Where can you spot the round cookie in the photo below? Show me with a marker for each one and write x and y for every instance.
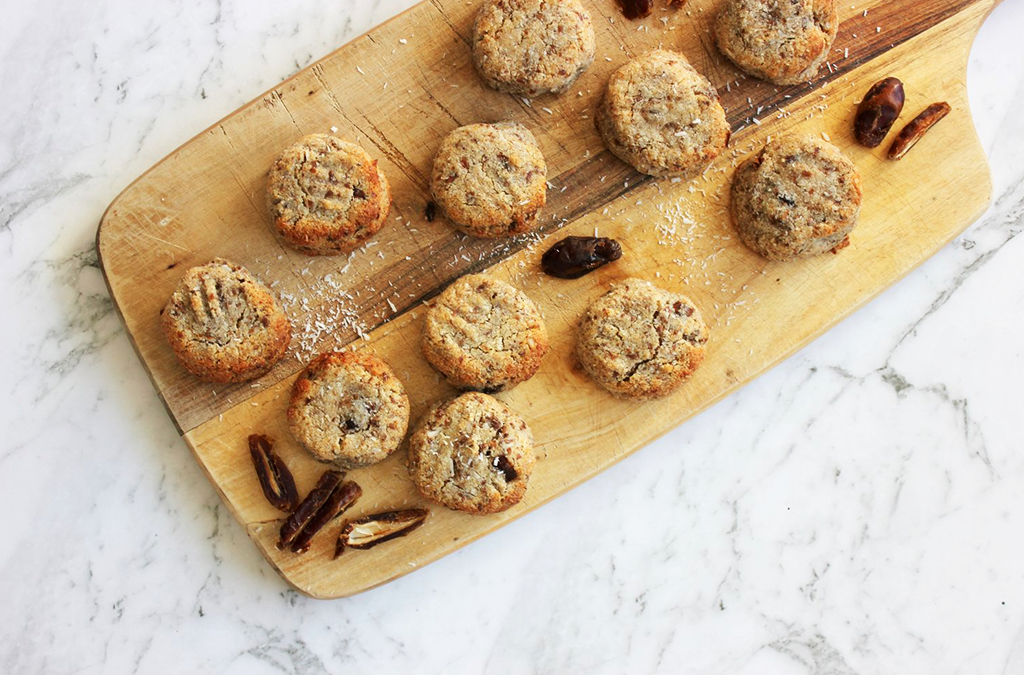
(484, 334)
(348, 408)
(224, 325)
(472, 454)
(532, 47)
(640, 341)
(798, 197)
(663, 117)
(490, 180)
(327, 196)
(782, 42)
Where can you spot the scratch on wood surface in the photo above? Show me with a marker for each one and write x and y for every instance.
(447, 19)
(164, 241)
(238, 181)
(277, 94)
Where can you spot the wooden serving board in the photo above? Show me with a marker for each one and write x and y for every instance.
(398, 90)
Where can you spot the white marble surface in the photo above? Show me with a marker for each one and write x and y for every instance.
(857, 510)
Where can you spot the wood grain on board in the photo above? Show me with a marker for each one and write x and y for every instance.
(397, 91)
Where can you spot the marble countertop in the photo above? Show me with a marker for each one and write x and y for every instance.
(858, 509)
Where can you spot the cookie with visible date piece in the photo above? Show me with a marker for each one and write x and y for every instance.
(327, 196)
(348, 408)
(472, 454)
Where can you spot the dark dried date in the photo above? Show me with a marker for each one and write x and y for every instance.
(367, 532)
(502, 464)
(309, 507)
(917, 128)
(273, 474)
(573, 257)
(340, 500)
(636, 9)
(878, 111)
(430, 212)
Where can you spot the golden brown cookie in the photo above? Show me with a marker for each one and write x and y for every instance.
(327, 196)
(640, 341)
(798, 197)
(224, 325)
(532, 47)
(782, 41)
(484, 334)
(472, 454)
(490, 180)
(348, 408)
(662, 117)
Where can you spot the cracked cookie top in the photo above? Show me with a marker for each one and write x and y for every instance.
(348, 408)
(223, 324)
(472, 454)
(484, 334)
(532, 47)
(662, 117)
(782, 41)
(640, 341)
(326, 195)
(490, 180)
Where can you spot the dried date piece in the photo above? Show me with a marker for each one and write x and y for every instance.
(273, 474)
(502, 464)
(340, 500)
(430, 212)
(573, 257)
(636, 9)
(878, 111)
(367, 532)
(309, 507)
(917, 128)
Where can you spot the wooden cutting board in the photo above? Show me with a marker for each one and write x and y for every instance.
(398, 90)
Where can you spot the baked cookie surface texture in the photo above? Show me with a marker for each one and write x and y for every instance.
(662, 117)
(223, 324)
(798, 197)
(484, 334)
(532, 47)
(640, 341)
(472, 454)
(782, 41)
(348, 408)
(327, 196)
(490, 180)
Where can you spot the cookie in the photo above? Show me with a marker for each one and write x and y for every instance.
(224, 325)
(798, 197)
(490, 180)
(348, 408)
(484, 334)
(532, 47)
(472, 454)
(784, 42)
(327, 196)
(640, 341)
(662, 117)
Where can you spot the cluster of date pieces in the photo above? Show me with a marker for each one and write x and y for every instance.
(331, 497)
(881, 108)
